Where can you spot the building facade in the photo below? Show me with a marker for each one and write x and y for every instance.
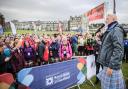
(75, 22)
(41, 25)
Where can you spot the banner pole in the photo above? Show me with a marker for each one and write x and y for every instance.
(114, 6)
(78, 86)
(92, 84)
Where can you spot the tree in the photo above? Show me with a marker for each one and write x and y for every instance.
(2, 20)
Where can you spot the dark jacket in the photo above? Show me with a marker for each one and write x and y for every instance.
(112, 49)
(29, 53)
(126, 43)
(5, 66)
(97, 47)
(54, 48)
(41, 49)
(17, 60)
(74, 40)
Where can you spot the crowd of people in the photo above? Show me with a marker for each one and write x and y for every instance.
(26, 50)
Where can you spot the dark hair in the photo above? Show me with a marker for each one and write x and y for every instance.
(25, 44)
(55, 35)
(99, 29)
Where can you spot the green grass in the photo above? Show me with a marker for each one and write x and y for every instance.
(125, 70)
(38, 32)
(87, 85)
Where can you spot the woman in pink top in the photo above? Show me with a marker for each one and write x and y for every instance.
(65, 51)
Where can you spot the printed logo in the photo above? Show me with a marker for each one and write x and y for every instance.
(49, 81)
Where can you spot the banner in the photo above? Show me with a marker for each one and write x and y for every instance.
(60, 26)
(96, 13)
(54, 76)
(90, 65)
(34, 27)
(13, 28)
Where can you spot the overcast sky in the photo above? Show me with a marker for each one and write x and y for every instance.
(45, 10)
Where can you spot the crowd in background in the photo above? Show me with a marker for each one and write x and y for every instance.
(19, 51)
(26, 50)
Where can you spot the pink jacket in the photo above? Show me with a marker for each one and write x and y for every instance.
(68, 51)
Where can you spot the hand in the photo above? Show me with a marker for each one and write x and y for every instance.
(7, 59)
(109, 71)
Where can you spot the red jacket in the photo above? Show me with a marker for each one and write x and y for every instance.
(46, 54)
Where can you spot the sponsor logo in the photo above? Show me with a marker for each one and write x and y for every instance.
(49, 81)
(56, 78)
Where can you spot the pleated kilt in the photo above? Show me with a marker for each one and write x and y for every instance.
(115, 81)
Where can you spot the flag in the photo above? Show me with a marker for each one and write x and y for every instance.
(13, 28)
(60, 27)
(96, 13)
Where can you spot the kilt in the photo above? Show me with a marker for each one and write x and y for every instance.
(115, 81)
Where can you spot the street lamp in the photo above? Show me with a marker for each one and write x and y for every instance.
(114, 6)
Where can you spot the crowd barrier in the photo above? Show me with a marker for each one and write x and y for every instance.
(59, 75)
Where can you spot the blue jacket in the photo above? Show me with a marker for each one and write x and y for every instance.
(112, 49)
(125, 43)
(74, 40)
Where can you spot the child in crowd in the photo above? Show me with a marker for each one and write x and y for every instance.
(65, 50)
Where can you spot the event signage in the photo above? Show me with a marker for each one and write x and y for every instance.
(54, 76)
(96, 13)
(59, 75)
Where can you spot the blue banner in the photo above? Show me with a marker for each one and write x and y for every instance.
(54, 76)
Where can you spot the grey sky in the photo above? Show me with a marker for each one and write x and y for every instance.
(46, 10)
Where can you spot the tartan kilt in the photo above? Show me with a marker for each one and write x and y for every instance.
(115, 81)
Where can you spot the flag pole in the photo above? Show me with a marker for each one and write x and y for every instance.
(114, 6)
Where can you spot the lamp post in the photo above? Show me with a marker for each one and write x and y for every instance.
(114, 6)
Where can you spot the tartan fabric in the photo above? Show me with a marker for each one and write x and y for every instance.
(115, 81)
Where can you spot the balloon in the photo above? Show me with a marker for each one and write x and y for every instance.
(6, 78)
(4, 85)
(7, 52)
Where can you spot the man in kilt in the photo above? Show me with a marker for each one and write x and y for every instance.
(111, 55)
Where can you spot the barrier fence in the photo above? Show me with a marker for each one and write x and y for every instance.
(59, 75)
